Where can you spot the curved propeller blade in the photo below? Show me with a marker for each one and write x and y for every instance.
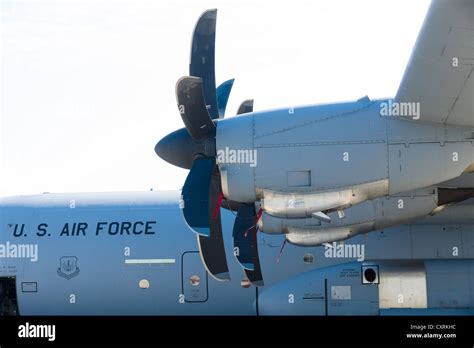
(202, 62)
(196, 195)
(212, 248)
(222, 93)
(245, 107)
(192, 108)
(255, 276)
(243, 234)
(246, 244)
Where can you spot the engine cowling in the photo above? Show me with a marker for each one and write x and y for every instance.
(362, 218)
(331, 156)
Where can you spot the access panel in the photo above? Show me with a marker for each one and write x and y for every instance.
(194, 278)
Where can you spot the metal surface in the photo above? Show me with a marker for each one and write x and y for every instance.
(403, 285)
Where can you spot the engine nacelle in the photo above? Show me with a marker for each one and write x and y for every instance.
(361, 218)
(328, 153)
(302, 205)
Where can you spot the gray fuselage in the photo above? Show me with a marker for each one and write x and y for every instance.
(132, 253)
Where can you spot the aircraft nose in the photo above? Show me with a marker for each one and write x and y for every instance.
(178, 148)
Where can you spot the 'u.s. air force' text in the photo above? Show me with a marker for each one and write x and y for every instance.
(114, 228)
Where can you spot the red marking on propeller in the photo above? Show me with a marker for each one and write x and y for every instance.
(281, 251)
(255, 235)
(259, 215)
(218, 205)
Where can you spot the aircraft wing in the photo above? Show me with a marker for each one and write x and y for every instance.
(440, 73)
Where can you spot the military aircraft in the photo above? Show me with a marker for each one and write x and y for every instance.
(337, 156)
(132, 253)
(392, 176)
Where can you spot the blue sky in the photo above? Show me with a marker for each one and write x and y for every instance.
(88, 86)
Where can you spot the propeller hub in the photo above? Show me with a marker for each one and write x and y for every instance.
(179, 149)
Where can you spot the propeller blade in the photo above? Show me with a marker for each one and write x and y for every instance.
(222, 93)
(255, 276)
(245, 107)
(196, 195)
(212, 259)
(230, 205)
(203, 58)
(212, 248)
(245, 240)
(243, 234)
(192, 107)
(246, 244)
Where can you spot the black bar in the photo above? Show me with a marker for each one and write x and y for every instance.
(290, 330)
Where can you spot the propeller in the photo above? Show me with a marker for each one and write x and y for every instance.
(194, 147)
(222, 93)
(197, 103)
(245, 242)
(202, 62)
(245, 107)
(246, 228)
(179, 149)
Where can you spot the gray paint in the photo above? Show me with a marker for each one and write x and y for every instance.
(315, 139)
(106, 285)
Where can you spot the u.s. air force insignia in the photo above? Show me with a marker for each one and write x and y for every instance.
(68, 267)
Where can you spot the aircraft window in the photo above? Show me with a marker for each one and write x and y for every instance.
(245, 283)
(194, 280)
(144, 284)
(370, 275)
(308, 258)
